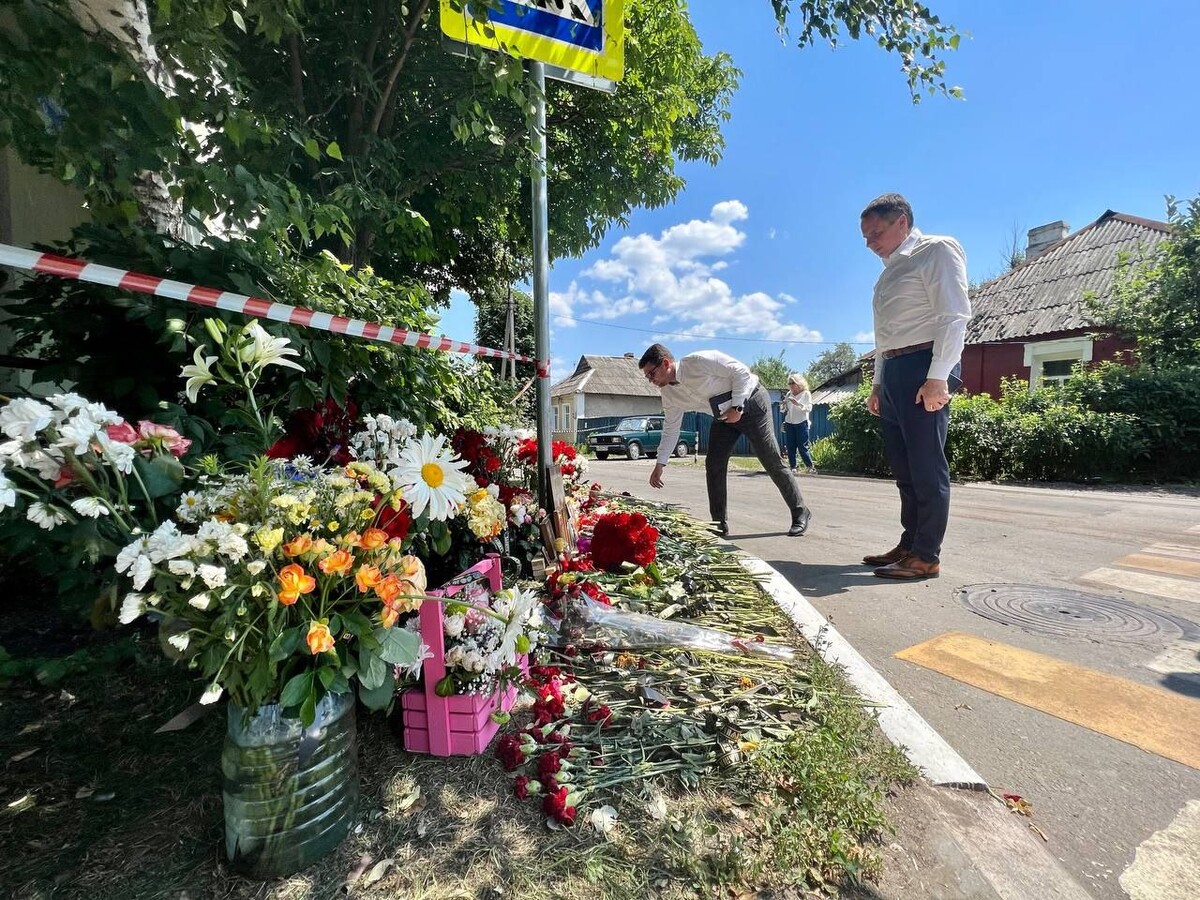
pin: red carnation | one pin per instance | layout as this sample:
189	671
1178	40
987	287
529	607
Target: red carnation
521	787
508	750
555	806
549	764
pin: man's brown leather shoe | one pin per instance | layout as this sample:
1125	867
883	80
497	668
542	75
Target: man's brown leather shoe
886	559
909	568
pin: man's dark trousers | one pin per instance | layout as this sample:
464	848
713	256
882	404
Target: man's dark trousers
915	443
757	425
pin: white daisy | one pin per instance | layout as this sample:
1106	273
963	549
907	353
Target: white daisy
92	507
189	507
431	479
45	516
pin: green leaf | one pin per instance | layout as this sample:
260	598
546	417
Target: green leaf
298	688
379	697
162	474
372	671
308	710
398	646
285	644
312	148
238	20
334	150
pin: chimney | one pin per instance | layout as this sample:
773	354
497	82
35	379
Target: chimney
1043	236
630	356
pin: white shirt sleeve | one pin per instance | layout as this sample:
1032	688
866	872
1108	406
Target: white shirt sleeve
946	284
672	425
804	401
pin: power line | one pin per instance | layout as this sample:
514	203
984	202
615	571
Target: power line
704	337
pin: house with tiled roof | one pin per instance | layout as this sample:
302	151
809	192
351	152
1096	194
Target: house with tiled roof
600	386
1033	322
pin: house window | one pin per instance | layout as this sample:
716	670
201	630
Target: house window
1051	362
555	426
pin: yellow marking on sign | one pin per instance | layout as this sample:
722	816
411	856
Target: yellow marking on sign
1155	585
1157	721
1160	564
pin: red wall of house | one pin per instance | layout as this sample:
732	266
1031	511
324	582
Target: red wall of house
983	365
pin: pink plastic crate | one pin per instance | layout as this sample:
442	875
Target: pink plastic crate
458	725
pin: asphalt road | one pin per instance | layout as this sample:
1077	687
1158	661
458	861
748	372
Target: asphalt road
1095	797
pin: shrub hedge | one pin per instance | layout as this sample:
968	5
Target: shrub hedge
1108	423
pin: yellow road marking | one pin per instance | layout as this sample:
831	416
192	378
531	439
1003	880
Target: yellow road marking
1160	564
1155	585
1153	719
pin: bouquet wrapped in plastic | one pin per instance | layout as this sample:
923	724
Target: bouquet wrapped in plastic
585	621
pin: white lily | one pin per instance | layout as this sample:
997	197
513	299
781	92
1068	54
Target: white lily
198	374
260	349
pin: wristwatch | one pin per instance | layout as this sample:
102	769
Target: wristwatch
736	408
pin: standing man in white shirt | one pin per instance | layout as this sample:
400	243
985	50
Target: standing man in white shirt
714	382
921	311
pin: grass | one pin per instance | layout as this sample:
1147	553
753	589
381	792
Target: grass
106	808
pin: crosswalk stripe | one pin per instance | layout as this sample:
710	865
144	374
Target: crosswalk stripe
1155	585
1158	721
1166	564
1180	550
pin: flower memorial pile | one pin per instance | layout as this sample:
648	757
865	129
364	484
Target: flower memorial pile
621	538
486	639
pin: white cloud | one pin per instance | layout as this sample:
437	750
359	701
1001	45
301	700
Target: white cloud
674	274
864	337
771	234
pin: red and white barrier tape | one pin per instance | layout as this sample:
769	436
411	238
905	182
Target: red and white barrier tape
79	270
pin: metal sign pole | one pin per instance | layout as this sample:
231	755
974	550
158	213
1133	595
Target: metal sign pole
541	279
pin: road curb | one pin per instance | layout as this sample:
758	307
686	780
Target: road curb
939	763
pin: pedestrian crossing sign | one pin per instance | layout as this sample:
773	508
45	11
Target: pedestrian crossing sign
586	37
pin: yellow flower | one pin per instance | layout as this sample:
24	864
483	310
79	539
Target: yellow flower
319	638
367	514
268	538
334	526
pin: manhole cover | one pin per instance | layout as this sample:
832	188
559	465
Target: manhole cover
1060	611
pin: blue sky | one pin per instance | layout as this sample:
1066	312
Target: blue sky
1072	107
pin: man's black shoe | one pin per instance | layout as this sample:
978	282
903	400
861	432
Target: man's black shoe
799	522
722	528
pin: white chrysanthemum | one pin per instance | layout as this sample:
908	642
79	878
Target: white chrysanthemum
92	507
131	607
179	641
45	516
201	602
431	479
23	418
212	695
120	456
256	567
181	567
131	553
47	463
141	572
166	542
453	625
77	434
8	493
213	576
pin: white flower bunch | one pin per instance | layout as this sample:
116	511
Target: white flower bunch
483	649
383	440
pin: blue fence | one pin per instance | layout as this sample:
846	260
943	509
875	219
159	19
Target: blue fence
699	422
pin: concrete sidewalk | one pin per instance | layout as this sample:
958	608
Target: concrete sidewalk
953	838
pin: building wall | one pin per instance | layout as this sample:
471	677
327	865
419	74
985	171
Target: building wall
34	208
984	365
620	405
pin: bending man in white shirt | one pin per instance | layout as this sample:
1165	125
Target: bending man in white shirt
714	382
921	312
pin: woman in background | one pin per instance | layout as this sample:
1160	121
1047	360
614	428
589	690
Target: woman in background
797	403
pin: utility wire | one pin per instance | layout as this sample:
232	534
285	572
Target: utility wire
703	337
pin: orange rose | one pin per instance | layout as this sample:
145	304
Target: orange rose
388	590
339	562
294	581
373	539
412	570
319	639
367	577
388	617
298	545
349	539
321	547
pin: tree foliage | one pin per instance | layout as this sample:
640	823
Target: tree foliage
907	28
830	363
1157	300
772	371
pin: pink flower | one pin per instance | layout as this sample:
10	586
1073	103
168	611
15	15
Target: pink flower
122	434
164	436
